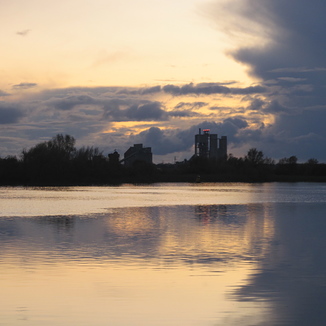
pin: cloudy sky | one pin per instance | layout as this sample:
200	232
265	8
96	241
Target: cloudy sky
115	73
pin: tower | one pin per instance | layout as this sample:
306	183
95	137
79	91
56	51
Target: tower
210	146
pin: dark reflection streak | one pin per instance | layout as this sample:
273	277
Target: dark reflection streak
60	222
293	273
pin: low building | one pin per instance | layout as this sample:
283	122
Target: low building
138	153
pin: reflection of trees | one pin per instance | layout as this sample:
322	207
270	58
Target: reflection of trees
60	222
208	213
219	214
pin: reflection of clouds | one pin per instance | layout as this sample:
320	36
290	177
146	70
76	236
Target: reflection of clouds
284	243
145	245
217	233
202	234
292	274
132	221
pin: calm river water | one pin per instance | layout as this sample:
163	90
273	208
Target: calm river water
164	254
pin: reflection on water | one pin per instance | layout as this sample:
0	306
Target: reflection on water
225	262
90	200
292	276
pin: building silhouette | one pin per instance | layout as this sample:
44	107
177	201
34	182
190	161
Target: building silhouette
210	146
138	153
114	158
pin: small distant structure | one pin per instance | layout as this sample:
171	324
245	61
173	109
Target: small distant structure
138	153
210	146
114	158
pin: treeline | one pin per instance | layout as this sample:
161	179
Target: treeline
59	162
256	167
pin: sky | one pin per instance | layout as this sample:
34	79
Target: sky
117	73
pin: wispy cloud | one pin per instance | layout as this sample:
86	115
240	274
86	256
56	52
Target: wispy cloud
24	85
24	32
203	89
2	93
298	69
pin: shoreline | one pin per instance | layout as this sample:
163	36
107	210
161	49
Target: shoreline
188	178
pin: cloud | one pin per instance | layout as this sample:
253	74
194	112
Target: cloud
162	142
182	113
2	93
70	102
150	90
151	111
293	34
23	32
283	43
298	70
211	88
186	109
190	105
197	89
99	116
9	114
24	85
291	79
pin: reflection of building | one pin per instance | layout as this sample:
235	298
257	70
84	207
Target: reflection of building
210	146
138	153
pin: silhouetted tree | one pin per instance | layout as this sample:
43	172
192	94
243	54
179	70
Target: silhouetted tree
287	165
65	145
254	157
49	162
311	167
288	160
11	171
312	161
257	166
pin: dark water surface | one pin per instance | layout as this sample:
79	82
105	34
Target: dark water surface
165	254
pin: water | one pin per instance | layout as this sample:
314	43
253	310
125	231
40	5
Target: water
164	254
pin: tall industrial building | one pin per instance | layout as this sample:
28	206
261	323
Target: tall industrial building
210	146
